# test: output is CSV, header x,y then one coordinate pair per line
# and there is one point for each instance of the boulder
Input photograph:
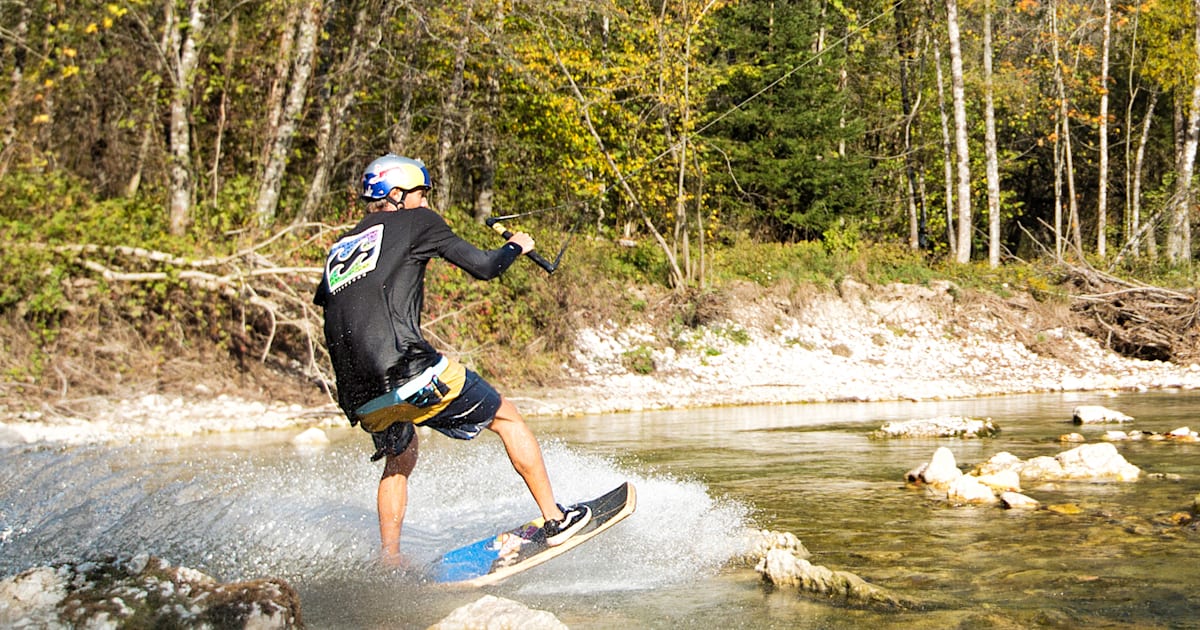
x,y
1096,414
942,427
782,568
1002,481
311,437
942,469
1018,501
142,591
1184,434
968,489
762,541
1000,462
496,613
1096,461
1041,468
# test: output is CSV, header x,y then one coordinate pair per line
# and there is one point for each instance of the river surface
x,y
250,505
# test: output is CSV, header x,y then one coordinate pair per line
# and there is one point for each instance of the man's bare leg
x,y
392,501
526,457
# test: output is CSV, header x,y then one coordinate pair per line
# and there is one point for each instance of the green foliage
x,y
639,360
786,145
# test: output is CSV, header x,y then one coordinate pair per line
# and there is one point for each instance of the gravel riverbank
x,y
900,342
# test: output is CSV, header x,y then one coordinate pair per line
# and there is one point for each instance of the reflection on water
x,y
246,506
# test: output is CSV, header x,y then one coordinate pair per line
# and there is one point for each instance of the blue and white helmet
x,y
392,171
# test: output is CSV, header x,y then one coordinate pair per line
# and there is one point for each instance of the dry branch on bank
x,y
265,308
1136,319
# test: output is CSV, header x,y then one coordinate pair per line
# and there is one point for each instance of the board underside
x,y
497,557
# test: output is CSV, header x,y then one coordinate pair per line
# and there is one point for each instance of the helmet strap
x,y
398,204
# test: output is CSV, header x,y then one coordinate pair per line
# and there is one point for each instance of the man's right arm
x,y
481,264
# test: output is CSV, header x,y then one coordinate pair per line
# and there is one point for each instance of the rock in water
x,y
1096,414
496,613
946,426
942,469
142,592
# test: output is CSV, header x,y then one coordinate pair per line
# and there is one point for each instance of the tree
x,y
302,67
993,159
181,49
781,118
962,151
1102,192
342,84
1179,242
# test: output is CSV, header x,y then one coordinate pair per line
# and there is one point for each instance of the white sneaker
x,y
574,519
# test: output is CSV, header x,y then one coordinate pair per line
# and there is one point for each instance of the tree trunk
x,y
962,150
484,184
343,84
222,117
449,130
281,144
1058,193
947,155
1135,200
1179,241
283,63
151,116
915,203
993,159
14,49
183,55
1102,191
1064,130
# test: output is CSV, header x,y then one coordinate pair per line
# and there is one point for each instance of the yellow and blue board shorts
x,y
457,403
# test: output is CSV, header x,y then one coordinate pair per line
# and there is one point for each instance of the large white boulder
x,y
968,489
942,469
496,613
1097,414
1097,461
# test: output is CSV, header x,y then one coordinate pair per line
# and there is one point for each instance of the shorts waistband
x,y
403,392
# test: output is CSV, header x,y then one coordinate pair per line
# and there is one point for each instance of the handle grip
x,y
532,255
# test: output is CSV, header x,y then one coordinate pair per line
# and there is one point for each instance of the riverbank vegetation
x,y
172,172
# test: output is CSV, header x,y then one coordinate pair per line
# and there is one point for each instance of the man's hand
x,y
522,240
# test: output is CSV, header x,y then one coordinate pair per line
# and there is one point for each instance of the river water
x,y
250,505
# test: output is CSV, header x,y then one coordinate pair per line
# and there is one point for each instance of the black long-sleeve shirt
x,y
373,290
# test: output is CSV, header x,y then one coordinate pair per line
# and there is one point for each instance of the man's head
x,y
390,180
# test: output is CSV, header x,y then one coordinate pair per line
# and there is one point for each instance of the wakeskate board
x,y
496,558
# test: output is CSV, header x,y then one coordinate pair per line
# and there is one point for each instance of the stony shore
x,y
899,342
860,344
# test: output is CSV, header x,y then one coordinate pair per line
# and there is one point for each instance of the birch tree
x,y
281,144
343,84
962,151
1065,169
1102,191
908,109
14,49
183,55
992,158
947,153
1179,245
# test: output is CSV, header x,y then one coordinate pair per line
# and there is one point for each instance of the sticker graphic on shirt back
x,y
353,257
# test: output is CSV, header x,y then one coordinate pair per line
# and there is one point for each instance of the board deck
x,y
495,558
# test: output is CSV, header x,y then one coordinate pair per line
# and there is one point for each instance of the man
x,y
389,377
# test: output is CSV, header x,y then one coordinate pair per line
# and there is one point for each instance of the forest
x,y
974,129
186,133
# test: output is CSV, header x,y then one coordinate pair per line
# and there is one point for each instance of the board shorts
x,y
461,417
